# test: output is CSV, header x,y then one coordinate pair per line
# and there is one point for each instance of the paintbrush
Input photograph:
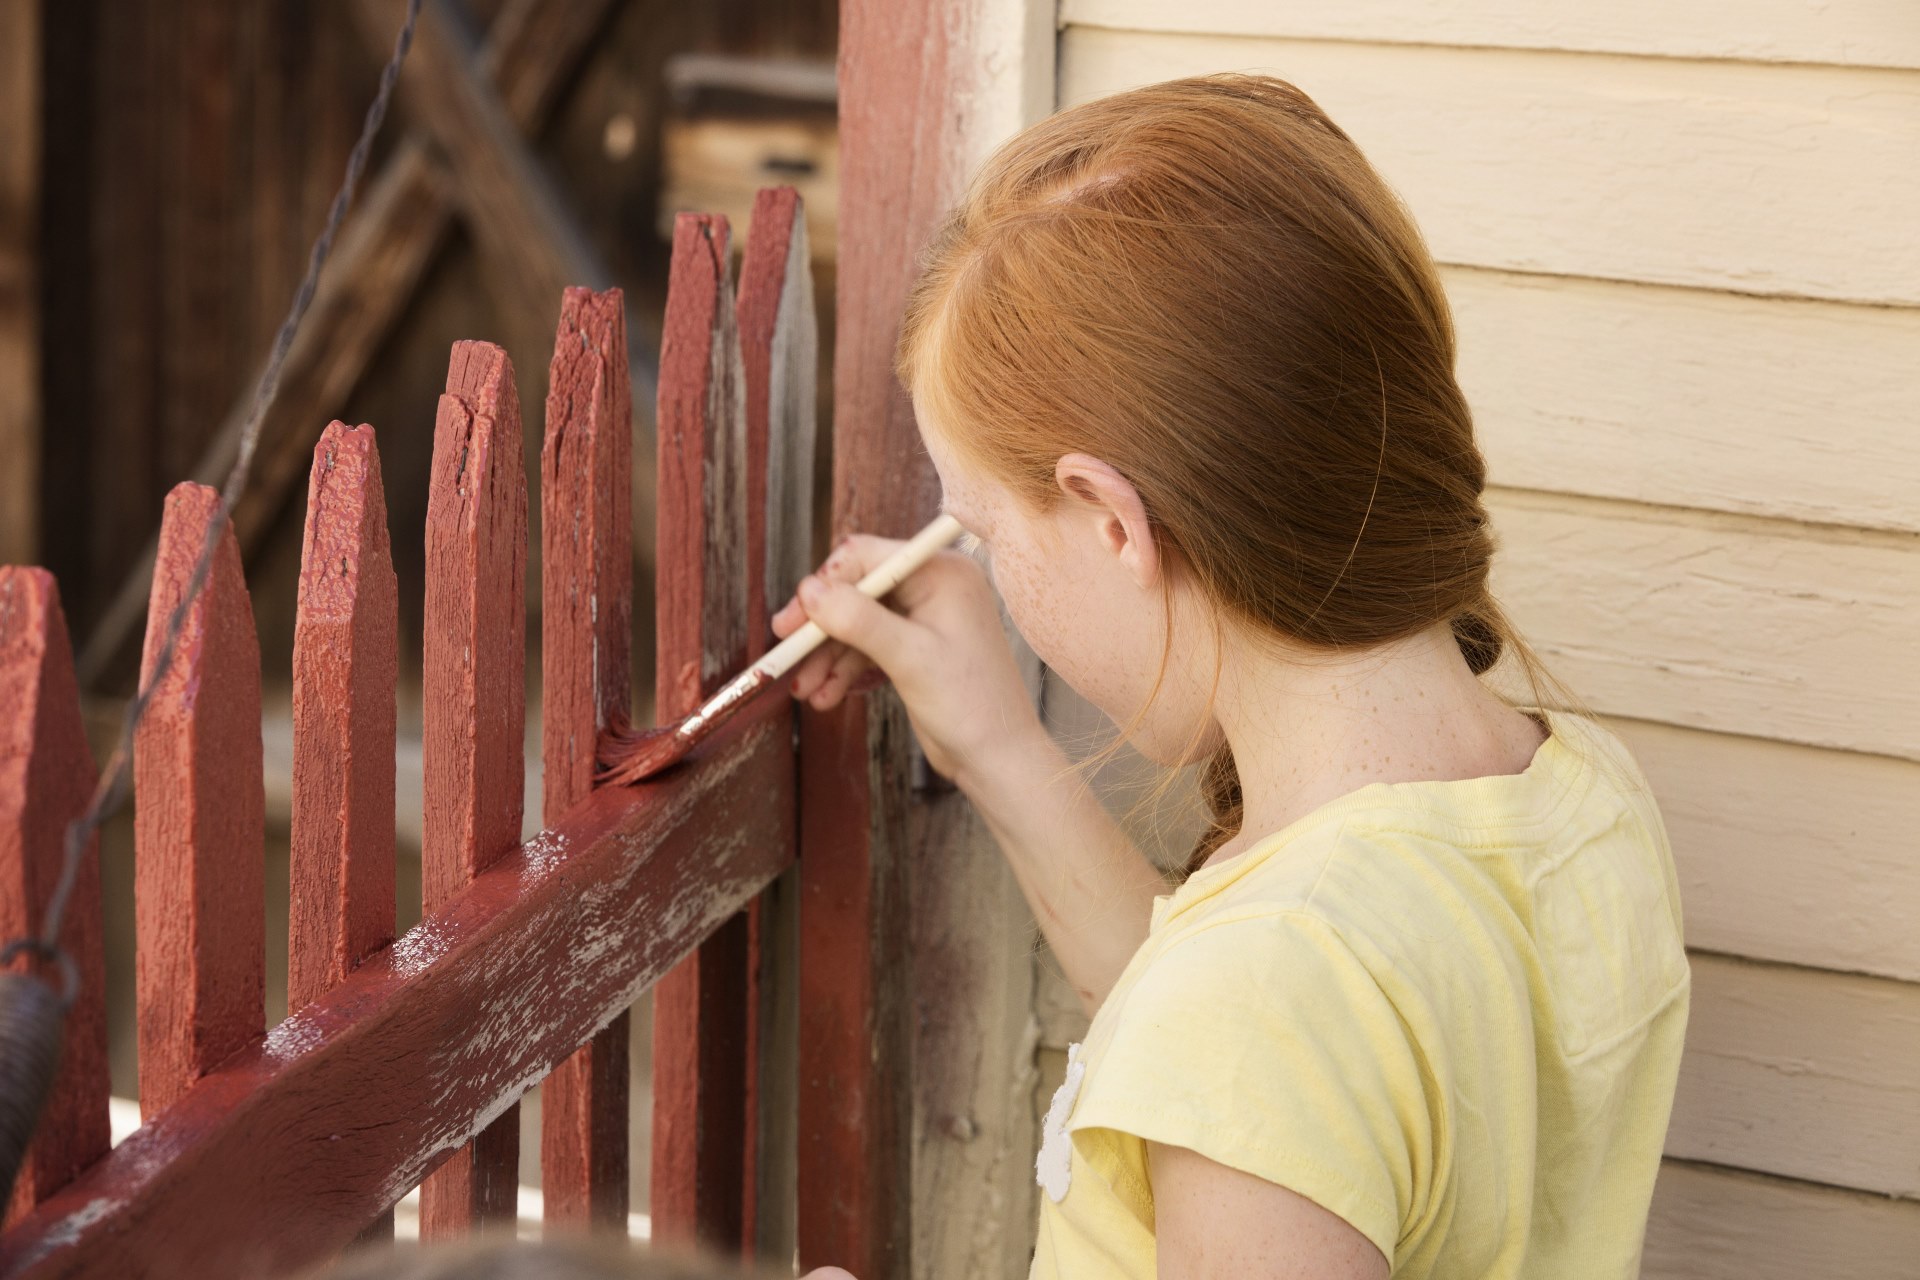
x,y
628,757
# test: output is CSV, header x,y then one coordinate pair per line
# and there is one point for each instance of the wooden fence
x,y
402,1061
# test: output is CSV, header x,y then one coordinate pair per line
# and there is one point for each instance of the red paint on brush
x,y
632,755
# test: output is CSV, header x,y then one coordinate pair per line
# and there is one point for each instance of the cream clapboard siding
x,y
1681,246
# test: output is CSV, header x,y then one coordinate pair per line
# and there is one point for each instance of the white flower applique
x,y
1053,1168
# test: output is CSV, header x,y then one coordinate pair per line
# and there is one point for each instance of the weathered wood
x,y
46,776
20,129
383,252
532,245
199,824
1789,853
1801,1073
779,348
1868,33
586,619
345,660
474,704
432,1038
699,1010
1719,1224
1587,132
1720,622
1693,397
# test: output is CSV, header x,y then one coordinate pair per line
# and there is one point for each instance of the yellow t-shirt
x,y
1450,1012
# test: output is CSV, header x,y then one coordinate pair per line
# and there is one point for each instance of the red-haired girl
x,y
1185,368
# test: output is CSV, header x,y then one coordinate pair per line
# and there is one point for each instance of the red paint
x,y
277,1158
699,1010
474,704
586,501
346,640
46,775
199,821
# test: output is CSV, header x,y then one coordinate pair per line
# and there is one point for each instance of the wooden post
x,y
199,817
779,350
586,500
699,1009
46,775
346,637
474,696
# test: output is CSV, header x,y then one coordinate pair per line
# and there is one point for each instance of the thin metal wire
x,y
111,790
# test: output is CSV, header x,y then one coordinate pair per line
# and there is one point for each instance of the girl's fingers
x,y
814,668
848,667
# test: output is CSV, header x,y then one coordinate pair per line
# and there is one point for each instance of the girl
x,y
1183,364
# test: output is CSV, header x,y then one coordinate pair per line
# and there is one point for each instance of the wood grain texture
x,y
1789,853
46,777
383,252
1801,1073
700,1013
1718,622
199,818
1720,175
473,698
1868,33
1718,1224
1691,397
21,124
586,619
779,356
432,1038
345,661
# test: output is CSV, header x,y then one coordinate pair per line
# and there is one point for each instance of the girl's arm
x,y
942,646
1212,1222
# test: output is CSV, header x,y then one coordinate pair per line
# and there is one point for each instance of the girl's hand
x,y
940,642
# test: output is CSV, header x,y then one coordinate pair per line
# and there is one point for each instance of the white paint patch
x,y
1053,1167
68,1230
417,948
540,855
291,1038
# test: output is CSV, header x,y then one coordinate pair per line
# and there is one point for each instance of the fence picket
x,y
779,358
699,1009
346,637
474,706
46,774
586,618
199,818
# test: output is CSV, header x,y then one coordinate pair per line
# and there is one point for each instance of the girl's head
x,y
1197,301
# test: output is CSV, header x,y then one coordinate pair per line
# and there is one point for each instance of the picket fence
x,y
402,1060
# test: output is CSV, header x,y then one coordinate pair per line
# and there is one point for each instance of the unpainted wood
x,y
473,698
382,254
699,1178
1651,169
430,1040
21,124
779,350
345,663
586,619
1789,853
1727,623
1801,1073
1872,33
199,817
46,776
1720,1224
1693,397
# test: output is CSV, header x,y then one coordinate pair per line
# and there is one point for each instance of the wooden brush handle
x,y
887,575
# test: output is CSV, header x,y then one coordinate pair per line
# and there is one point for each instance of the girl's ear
x,y
1110,504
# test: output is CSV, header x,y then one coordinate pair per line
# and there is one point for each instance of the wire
x,y
110,792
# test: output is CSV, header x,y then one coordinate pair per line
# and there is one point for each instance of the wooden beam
x,y
383,253
372,1084
20,126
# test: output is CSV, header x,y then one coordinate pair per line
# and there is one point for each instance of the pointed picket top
x,y
199,816
46,776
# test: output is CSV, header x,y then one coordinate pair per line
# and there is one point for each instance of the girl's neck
x,y
1307,730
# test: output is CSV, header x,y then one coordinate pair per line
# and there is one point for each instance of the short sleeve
x,y
1265,1045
